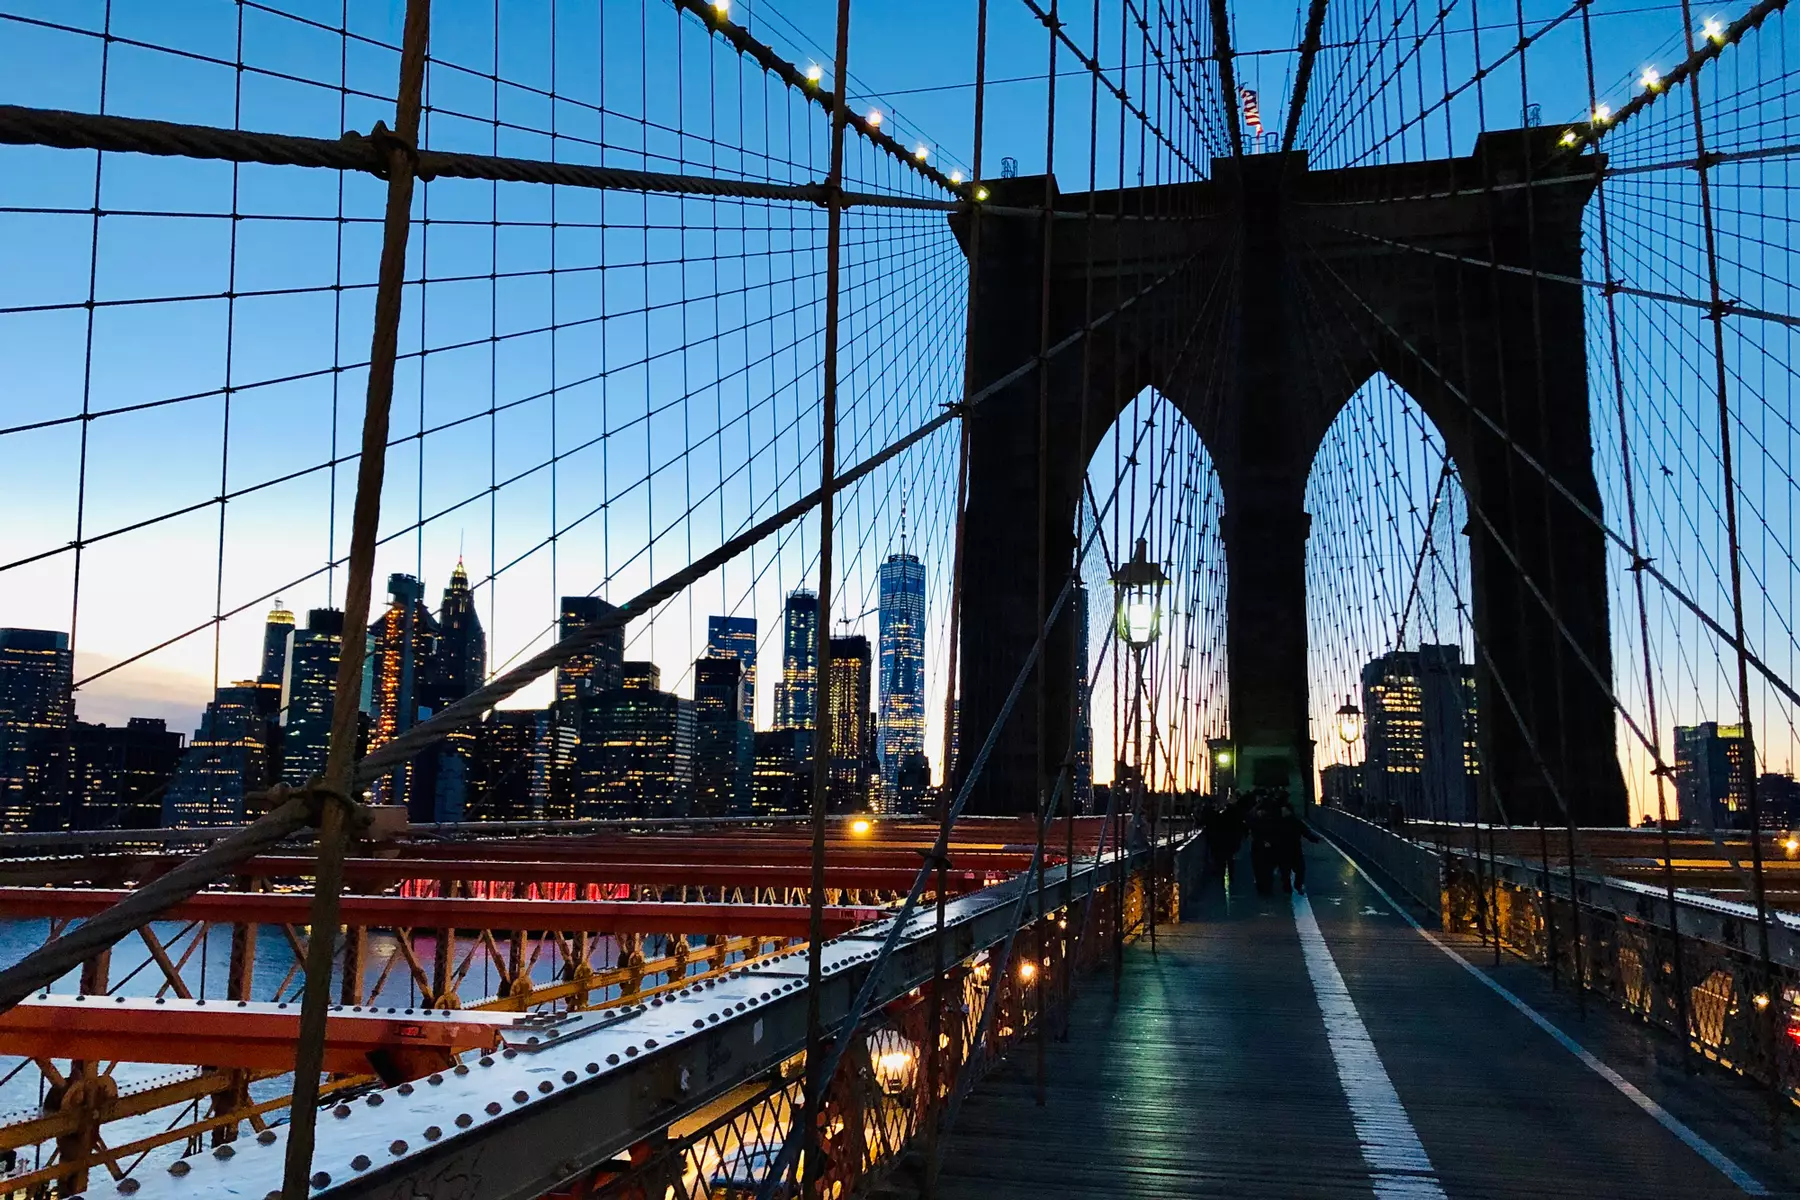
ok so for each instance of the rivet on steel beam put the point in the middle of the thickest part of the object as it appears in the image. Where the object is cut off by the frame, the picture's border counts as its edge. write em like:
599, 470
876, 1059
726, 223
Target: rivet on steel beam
375, 1100
613, 1059
434, 1079
520, 1097
493, 1108
487, 1060
320, 1179
266, 1138
406, 1089
570, 1077
631, 1052
593, 1068
397, 1147
464, 1120
180, 1167
360, 1163
461, 1068
223, 1151
341, 1111
546, 1087
433, 1133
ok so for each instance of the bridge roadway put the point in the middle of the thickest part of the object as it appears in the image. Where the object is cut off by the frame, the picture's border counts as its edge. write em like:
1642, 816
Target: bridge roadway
1235, 1063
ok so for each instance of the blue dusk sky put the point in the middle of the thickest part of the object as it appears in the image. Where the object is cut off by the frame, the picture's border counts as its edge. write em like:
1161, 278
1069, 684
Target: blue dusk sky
595, 387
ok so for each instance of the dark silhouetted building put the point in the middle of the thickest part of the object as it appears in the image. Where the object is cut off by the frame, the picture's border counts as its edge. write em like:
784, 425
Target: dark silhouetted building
1420, 713
1083, 779
782, 784
121, 771
735, 637
724, 740
37, 671
306, 695
901, 695
1340, 786
502, 766
636, 752
1712, 775
851, 743
797, 694
1780, 797
460, 666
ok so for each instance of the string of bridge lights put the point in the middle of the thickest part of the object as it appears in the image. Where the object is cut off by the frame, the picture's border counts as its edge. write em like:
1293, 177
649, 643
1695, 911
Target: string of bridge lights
1714, 34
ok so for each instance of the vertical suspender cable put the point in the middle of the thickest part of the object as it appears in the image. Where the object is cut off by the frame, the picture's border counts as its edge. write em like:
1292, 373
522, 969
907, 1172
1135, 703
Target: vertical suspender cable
1629, 483
812, 1170
1048, 220
934, 1063
402, 148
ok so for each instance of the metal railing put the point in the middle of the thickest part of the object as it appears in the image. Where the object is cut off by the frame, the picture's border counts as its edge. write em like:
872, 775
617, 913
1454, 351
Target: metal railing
1691, 968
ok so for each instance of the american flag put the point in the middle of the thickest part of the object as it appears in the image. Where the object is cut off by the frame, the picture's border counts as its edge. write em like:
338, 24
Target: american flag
1252, 112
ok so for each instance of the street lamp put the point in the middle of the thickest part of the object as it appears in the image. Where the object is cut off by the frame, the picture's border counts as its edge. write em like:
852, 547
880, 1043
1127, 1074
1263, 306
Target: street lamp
1138, 587
1349, 722
1138, 590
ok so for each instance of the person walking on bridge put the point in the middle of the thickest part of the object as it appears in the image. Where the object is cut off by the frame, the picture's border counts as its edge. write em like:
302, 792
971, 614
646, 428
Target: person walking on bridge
1289, 832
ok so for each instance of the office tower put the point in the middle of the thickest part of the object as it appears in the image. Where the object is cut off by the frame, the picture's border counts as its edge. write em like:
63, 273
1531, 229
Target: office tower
404, 658
552, 787
635, 757
278, 627
226, 760
850, 743
796, 695
782, 782
306, 695
724, 742
461, 665
1420, 733
735, 637
901, 728
500, 777
1083, 775
121, 771
1713, 775
37, 671
1780, 796
597, 668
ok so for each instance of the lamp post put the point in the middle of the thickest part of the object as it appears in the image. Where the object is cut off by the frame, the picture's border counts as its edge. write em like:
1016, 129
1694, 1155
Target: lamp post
1138, 593
1349, 729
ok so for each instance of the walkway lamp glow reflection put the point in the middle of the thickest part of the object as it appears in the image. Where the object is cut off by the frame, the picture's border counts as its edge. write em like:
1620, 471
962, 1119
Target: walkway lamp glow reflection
1138, 590
1349, 722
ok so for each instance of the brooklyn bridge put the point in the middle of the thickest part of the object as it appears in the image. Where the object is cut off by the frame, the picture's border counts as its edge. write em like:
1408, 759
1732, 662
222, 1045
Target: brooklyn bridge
1074, 598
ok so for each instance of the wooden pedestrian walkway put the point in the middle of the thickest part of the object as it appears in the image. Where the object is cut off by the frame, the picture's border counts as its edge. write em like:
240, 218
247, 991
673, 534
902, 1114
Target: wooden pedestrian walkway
1328, 1049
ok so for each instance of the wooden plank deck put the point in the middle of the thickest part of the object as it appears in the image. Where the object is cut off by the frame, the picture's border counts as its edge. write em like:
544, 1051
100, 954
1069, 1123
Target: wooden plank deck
1212, 1075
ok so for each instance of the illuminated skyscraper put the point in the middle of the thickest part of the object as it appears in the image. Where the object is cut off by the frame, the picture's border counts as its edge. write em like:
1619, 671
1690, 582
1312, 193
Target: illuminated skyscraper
851, 744
226, 760
597, 669
278, 628
306, 695
735, 637
724, 743
783, 777
901, 728
403, 658
796, 696
36, 709
1420, 735
500, 783
636, 753
1712, 775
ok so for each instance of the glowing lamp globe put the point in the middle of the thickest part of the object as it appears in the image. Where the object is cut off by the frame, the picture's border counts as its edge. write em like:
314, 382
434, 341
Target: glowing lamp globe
1349, 721
1138, 590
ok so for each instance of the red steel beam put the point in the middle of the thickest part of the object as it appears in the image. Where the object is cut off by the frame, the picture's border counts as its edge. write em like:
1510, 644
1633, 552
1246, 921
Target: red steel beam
401, 912
246, 1035
709, 874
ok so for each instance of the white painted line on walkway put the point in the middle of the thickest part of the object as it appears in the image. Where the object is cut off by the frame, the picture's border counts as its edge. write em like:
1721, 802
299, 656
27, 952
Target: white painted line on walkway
1398, 1165
1745, 1181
